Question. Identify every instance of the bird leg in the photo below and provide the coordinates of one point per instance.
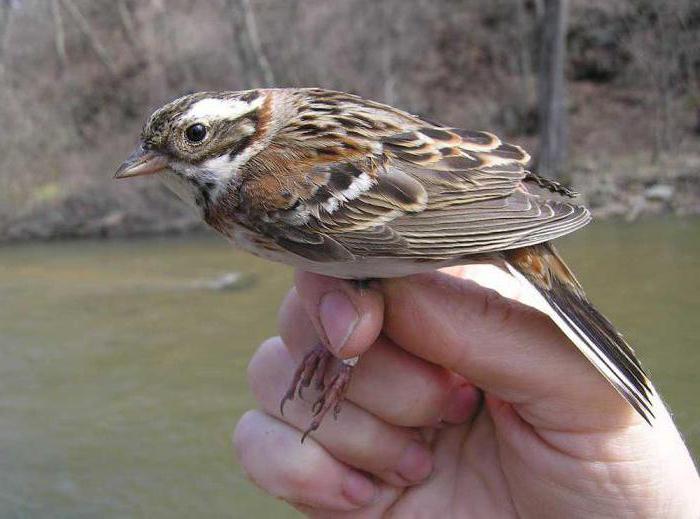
(362, 284)
(316, 367)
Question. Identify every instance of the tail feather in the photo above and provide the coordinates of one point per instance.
(585, 326)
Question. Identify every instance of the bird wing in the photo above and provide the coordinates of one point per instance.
(432, 193)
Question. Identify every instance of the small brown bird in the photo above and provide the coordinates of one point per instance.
(332, 183)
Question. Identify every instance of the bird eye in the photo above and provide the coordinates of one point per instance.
(196, 132)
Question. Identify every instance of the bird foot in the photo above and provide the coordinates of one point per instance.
(314, 368)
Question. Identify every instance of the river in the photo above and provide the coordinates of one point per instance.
(122, 372)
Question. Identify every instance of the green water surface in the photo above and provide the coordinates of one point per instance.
(122, 374)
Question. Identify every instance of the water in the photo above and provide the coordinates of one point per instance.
(122, 375)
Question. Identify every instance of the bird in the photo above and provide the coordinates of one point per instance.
(332, 183)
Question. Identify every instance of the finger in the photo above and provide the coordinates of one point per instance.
(387, 498)
(400, 388)
(270, 454)
(357, 437)
(499, 280)
(347, 319)
(294, 324)
(502, 346)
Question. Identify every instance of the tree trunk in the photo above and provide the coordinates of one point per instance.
(553, 123)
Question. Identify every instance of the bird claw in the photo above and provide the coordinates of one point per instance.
(304, 374)
(313, 368)
(331, 398)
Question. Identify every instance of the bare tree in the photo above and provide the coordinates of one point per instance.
(524, 54)
(553, 120)
(516, 114)
(129, 27)
(250, 50)
(91, 36)
(5, 16)
(389, 17)
(662, 38)
(59, 34)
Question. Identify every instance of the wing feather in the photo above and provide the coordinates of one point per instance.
(433, 193)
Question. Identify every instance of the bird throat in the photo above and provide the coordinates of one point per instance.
(196, 193)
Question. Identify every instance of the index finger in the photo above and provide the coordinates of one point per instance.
(501, 345)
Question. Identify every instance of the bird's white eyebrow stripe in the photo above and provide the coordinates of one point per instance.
(221, 108)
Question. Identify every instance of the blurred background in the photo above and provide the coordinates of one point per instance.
(125, 327)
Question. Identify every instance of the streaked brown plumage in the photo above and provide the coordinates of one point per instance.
(332, 183)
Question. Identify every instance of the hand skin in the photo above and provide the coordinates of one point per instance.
(543, 436)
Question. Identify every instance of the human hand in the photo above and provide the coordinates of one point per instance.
(552, 438)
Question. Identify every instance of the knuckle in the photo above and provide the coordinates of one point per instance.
(498, 308)
(248, 447)
(425, 409)
(244, 437)
(300, 480)
(260, 363)
(288, 309)
(294, 323)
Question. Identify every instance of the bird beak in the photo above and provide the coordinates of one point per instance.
(142, 162)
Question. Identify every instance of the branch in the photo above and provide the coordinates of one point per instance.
(387, 52)
(85, 28)
(59, 34)
(128, 26)
(5, 15)
(251, 27)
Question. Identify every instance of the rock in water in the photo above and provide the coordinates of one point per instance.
(230, 281)
(659, 192)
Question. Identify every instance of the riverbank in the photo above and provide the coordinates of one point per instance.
(109, 209)
(632, 188)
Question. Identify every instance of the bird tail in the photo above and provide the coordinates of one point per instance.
(585, 326)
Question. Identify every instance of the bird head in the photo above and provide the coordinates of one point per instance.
(197, 143)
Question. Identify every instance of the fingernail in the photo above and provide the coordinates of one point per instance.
(461, 404)
(358, 489)
(338, 318)
(416, 463)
